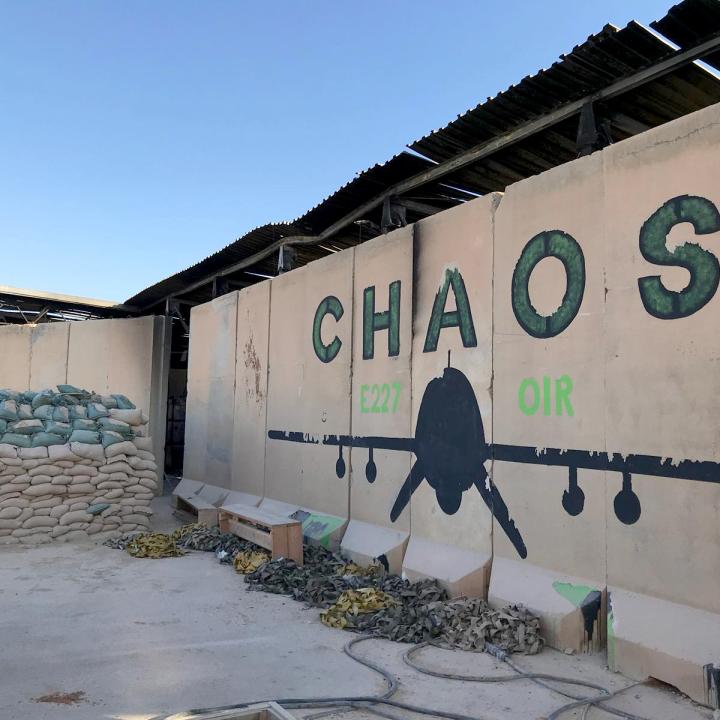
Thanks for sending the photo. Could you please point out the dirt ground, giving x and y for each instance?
(90, 633)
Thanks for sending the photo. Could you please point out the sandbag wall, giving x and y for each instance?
(515, 396)
(129, 354)
(72, 465)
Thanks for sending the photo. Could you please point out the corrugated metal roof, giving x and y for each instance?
(603, 59)
(689, 23)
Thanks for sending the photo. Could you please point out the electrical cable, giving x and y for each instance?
(363, 701)
(369, 703)
(589, 702)
(521, 674)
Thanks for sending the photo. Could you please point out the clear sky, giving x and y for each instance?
(137, 137)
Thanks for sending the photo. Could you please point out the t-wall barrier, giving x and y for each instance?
(517, 396)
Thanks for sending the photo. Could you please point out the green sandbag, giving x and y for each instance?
(111, 438)
(27, 397)
(10, 395)
(123, 403)
(26, 427)
(25, 412)
(78, 412)
(61, 414)
(109, 401)
(117, 426)
(44, 439)
(8, 410)
(44, 397)
(85, 436)
(58, 428)
(84, 424)
(70, 390)
(3, 426)
(44, 412)
(96, 410)
(17, 440)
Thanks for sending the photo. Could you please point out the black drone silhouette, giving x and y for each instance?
(451, 452)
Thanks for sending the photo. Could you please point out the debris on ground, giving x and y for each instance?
(352, 597)
(61, 698)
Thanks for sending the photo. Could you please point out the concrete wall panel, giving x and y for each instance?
(15, 357)
(661, 392)
(548, 393)
(211, 392)
(49, 345)
(381, 400)
(307, 395)
(251, 380)
(451, 540)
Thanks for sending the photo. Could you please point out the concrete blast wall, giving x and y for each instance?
(128, 356)
(515, 396)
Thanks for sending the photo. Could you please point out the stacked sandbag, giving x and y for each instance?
(73, 464)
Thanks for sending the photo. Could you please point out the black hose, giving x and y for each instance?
(537, 678)
(369, 703)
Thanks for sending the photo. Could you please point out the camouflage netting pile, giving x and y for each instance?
(72, 464)
(354, 598)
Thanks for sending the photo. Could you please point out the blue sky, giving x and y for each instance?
(138, 137)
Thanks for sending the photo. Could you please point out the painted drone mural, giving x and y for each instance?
(451, 451)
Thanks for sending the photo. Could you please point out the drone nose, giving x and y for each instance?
(449, 502)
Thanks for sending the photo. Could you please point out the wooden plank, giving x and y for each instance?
(250, 512)
(250, 533)
(295, 543)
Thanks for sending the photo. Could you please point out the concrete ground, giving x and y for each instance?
(137, 638)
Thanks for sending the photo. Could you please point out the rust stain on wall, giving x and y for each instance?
(252, 362)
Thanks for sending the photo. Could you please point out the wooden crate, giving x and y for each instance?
(277, 533)
(207, 514)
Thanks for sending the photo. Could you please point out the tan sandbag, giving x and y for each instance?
(10, 513)
(37, 453)
(78, 469)
(61, 480)
(75, 516)
(33, 463)
(40, 479)
(126, 448)
(39, 521)
(58, 511)
(50, 502)
(131, 417)
(80, 489)
(51, 470)
(143, 444)
(45, 489)
(8, 451)
(115, 467)
(14, 501)
(62, 452)
(90, 452)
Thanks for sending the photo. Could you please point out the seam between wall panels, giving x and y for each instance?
(67, 352)
(496, 205)
(235, 353)
(30, 354)
(352, 369)
(267, 390)
(410, 360)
